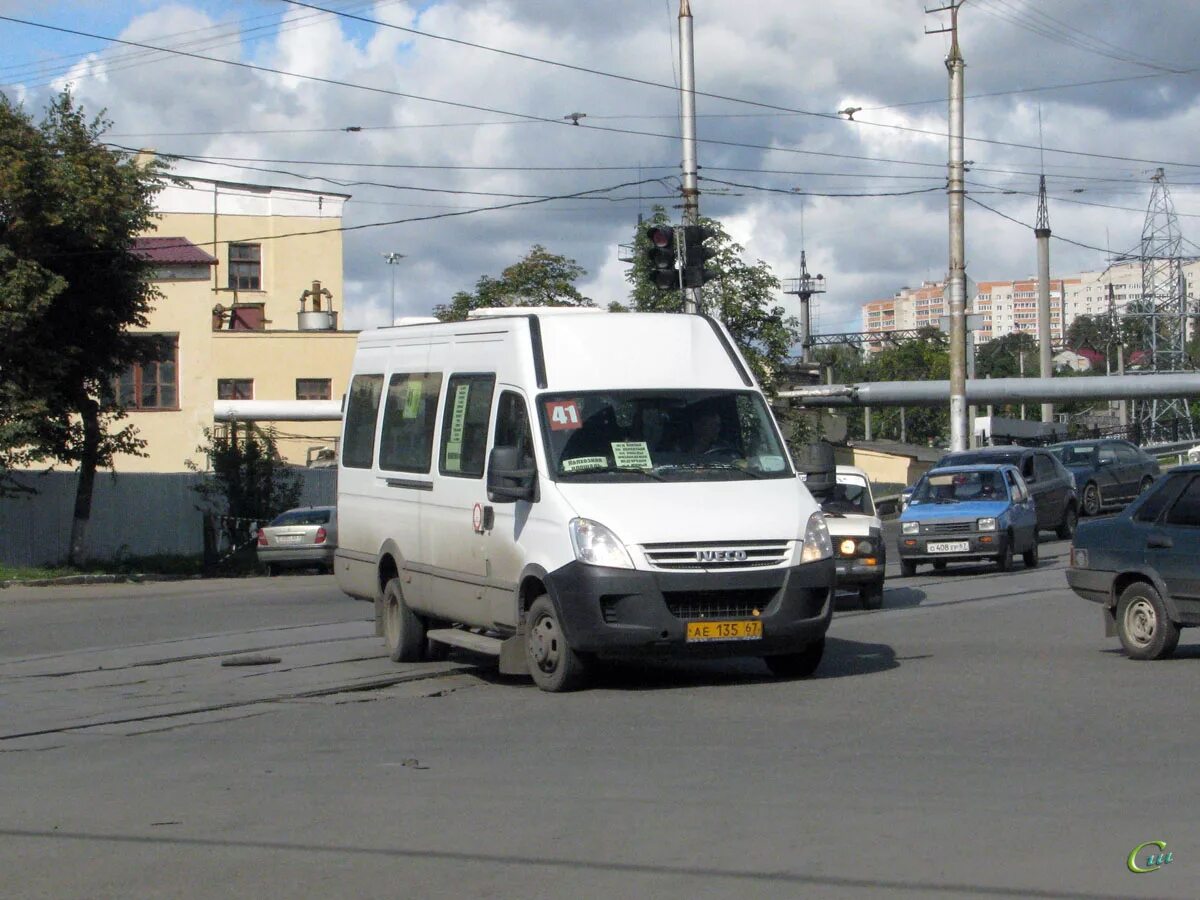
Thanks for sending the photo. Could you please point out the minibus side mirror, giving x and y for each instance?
(507, 479)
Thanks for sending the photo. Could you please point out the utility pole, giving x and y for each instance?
(687, 89)
(392, 260)
(1042, 232)
(804, 287)
(956, 194)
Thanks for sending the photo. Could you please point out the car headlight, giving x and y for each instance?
(910, 527)
(986, 524)
(817, 545)
(595, 545)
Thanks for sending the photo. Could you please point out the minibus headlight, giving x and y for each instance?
(910, 527)
(595, 545)
(817, 545)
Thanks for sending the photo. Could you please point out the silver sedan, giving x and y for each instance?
(298, 539)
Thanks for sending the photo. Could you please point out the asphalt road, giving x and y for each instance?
(978, 737)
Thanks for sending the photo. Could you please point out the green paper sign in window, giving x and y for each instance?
(458, 418)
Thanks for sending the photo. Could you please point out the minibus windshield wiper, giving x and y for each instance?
(608, 470)
(701, 467)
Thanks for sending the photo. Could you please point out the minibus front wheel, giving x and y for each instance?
(555, 667)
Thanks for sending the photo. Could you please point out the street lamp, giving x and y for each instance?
(392, 259)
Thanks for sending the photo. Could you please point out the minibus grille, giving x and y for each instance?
(725, 555)
(743, 604)
(947, 527)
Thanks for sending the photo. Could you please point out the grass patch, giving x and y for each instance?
(161, 564)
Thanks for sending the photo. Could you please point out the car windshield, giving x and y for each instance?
(301, 517)
(1076, 456)
(849, 496)
(958, 487)
(645, 435)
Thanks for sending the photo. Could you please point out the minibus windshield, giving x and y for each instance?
(644, 435)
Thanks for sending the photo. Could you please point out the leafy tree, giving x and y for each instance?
(246, 480)
(70, 291)
(925, 357)
(542, 278)
(1001, 357)
(741, 296)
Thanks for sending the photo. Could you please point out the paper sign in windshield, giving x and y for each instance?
(563, 415)
(632, 455)
(583, 463)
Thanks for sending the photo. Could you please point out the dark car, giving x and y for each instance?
(299, 539)
(1141, 565)
(1108, 473)
(1049, 483)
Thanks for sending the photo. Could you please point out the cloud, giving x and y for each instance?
(816, 58)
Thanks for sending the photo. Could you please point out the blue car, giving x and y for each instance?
(962, 513)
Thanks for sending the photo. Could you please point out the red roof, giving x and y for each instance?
(171, 251)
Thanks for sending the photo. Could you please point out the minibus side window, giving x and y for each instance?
(512, 425)
(465, 425)
(362, 408)
(406, 444)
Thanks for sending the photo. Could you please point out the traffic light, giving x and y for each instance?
(696, 254)
(660, 256)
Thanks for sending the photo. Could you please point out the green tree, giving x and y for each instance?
(741, 296)
(245, 481)
(70, 291)
(1001, 357)
(924, 358)
(541, 278)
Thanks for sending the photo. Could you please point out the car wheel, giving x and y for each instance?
(1143, 625)
(1091, 499)
(1066, 528)
(1004, 561)
(908, 568)
(1030, 556)
(871, 595)
(797, 665)
(555, 667)
(1145, 485)
(402, 628)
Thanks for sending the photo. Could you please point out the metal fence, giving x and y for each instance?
(133, 514)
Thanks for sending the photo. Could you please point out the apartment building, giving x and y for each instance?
(251, 278)
(1010, 307)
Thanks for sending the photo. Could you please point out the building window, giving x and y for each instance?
(153, 385)
(245, 267)
(314, 389)
(235, 388)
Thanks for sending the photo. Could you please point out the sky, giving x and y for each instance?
(447, 130)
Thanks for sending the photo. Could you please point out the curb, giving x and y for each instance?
(94, 579)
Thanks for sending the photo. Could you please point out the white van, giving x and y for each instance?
(558, 485)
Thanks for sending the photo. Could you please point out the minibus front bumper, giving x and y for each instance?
(630, 612)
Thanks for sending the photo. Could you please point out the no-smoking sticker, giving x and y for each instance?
(563, 415)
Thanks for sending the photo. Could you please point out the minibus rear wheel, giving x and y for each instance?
(555, 667)
(402, 628)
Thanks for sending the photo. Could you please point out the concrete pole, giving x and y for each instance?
(866, 423)
(1124, 406)
(687, 88)
(805, 328)
(1044, 341)
(957, 287)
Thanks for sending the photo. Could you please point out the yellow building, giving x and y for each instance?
(251, 278)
